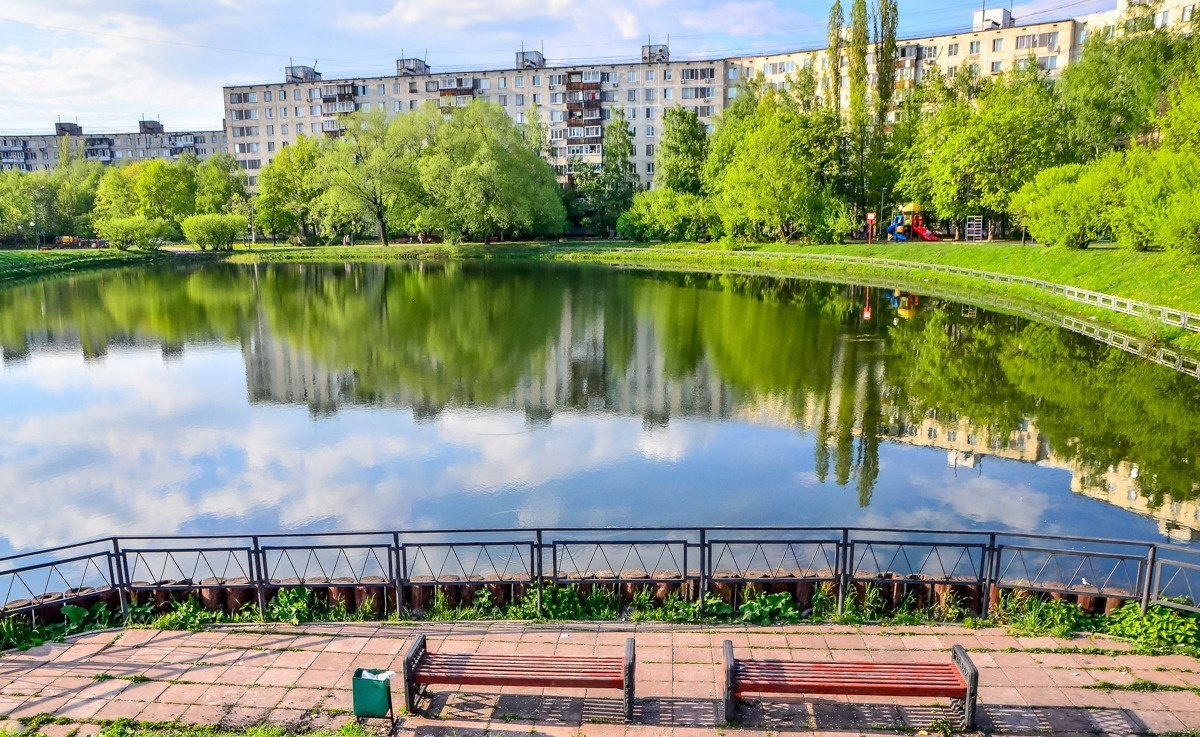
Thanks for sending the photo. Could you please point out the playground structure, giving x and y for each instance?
(909, 222)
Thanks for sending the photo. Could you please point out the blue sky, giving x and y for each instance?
(108, 63)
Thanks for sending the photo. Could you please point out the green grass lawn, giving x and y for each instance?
(23, 265)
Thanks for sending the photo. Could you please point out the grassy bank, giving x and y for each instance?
(16, 266)
(1158, 278)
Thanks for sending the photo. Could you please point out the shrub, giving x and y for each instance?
(1180, 228)
(137, 231)
(664, 214)
(217, 232)
(1060, 208)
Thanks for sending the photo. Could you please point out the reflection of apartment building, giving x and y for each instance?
(573, 372)
(277, 372)
(150, 141)
(576, 101)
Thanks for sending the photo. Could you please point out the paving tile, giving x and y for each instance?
(183, 693)
(160, 712)
(303, 698)
(202, 714)
(243, 717)
(120, 710)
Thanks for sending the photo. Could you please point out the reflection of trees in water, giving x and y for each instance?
(544, 339)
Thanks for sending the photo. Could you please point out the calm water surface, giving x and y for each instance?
(313, 397)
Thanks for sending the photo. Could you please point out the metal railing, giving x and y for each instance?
(1165, 315)
(697, 560)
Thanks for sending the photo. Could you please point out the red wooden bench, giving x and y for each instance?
(957, 680)
(423, 668)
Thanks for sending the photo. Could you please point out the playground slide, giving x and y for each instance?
(891, 230)
(924, 234)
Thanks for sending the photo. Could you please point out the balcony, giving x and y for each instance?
(333, 108)
(455, 91)
(182, 141)
(573, 86)
(584, 105)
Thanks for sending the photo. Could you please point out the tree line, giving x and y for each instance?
(1103, 152)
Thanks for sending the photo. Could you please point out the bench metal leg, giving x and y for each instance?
(970, 674)
(412, 658)
(630, 664)
(729, 697)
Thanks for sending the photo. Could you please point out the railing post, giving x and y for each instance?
(1148, 582)
(989, 580)
(537, 567)
(259, 573)
(702, 584)
(843, 570)
(397, 572)
(120, 580)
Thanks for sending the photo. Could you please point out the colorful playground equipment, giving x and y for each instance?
(910, 221)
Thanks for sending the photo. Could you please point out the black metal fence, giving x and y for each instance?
(695, 559)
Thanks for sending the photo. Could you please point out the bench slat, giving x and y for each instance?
(476, 678)
(850, 689)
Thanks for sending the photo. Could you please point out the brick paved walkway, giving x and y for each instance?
(300, 678)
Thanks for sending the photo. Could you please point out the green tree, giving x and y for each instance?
(681, 151)
(164, 191)
(288, 189)
(771, 173)
(860, 39)
(372, 168)
(116, 194)
(887, 17)
(971, 156)
(833, 57)
(220, 185)
(483, 178)
(610, 191)
(1114, 92)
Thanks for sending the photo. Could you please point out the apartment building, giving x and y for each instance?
(576, 101)
(151, 141)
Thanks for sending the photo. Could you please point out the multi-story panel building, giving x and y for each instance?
(151, 141)
(577, 101)
(574, 101)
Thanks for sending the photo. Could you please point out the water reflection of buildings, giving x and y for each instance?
(574, 373)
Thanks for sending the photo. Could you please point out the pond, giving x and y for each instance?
(220, 398)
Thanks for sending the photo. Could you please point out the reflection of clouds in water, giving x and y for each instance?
(167, 446)
(664, 443)
(979, 501)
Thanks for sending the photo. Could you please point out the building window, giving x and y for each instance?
(631, 95)
(649, 131)
(537, 98)
(270, 146)
(649, 167)
(952, 50)
(732, 74)
(283, 129)
(282, 95)
(502, 83)
(973, 48)
(649, 75)
(267, 96)
(1187, 14)
(997, 44)
(381, 89)
(631, 77)
(270, 130)
(520, 99)
(649, 94)
(315, 110)
(996, 67)
(502, 100)
(537, 80)
(668, 93)
(669, 75)
(299, 129)
(650, 149)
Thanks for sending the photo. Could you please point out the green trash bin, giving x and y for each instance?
(372, 696)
